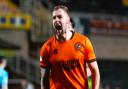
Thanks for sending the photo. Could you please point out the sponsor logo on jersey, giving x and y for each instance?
(69, 64)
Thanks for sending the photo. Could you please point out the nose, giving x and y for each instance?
(56, 18)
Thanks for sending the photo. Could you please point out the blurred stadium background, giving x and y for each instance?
(26, 24)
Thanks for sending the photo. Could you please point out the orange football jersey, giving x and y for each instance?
(67, 61)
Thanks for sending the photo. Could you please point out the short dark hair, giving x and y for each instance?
(72, 22)
(65, 8)
(61, 7)
(2, 58)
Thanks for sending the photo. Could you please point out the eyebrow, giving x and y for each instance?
(57, 16)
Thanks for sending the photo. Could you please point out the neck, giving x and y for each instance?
(65, 37)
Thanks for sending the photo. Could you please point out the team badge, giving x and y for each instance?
(78, 46)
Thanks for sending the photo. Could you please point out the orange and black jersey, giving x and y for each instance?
(67, 61)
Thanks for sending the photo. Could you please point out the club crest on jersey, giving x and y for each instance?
(78, 46)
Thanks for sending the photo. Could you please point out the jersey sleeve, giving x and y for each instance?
(44, 56)
(89, 51)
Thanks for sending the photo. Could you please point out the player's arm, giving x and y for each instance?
(45, 73)
(88, 71)
(45, 66)
(92, 64)
(5, 81)
(95, 74)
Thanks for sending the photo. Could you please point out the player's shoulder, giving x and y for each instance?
(49, 41)
(81, 36)
(5, 73)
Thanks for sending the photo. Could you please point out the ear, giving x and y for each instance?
(68, 21)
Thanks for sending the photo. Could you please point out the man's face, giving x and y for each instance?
(4, 63)
(60, 21)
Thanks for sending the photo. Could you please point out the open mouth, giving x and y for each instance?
(58, 25)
